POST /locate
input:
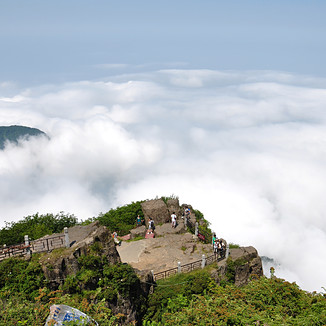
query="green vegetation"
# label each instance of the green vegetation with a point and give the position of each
(203, 226)
(35, 226)
(185, 299)
(14, 133)
(195, 299)
(25, 297)
(20, 276)
(165, 199)
(233, 245)
(122, 219)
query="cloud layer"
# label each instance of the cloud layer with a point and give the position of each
(245, 148)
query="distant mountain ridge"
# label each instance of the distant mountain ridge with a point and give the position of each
(14, 133)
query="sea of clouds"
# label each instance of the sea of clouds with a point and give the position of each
(248, 149)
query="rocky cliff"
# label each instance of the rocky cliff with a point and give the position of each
(242, 265)
(96, 241)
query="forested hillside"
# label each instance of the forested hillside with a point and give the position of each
(14, 133)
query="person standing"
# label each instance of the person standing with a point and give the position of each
(173, 220)
(215, 246)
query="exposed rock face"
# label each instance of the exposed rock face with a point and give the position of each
(139, 231)
(173, 206)
(63, 262)
(157, 210)
(251, 266)
(57, 266)
(126, 307)
(160, 211)
(243, 263)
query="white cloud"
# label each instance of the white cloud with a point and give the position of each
(247, 149)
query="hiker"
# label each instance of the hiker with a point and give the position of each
(214, 238)
(215, 246)
(223, 249)
(138, 221)
(173, 220)
(151, 226)
(187, 212)
(115, 238)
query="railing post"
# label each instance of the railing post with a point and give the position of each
(179, 267)
(196, 229)
(66, 237)
(153, 275)
(227, 251)
(203, 261)
(26, 240)
(28, 249)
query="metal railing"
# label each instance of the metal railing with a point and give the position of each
(187, 267)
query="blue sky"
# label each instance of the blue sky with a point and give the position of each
(56, 41)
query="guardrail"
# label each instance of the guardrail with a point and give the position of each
(188, 267)
(36, 246)
(13, 251)
(48, 244)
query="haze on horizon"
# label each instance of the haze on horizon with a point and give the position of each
(220, 104)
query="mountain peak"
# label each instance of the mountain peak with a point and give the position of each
(15, 132)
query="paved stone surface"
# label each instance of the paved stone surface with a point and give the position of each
(130, 251)
(162, 253)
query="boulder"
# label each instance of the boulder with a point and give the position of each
(140, 231)
(157, 210)
(173, 206)
(246, 266)
(246, 253)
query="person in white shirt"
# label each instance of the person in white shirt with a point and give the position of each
(173, 220)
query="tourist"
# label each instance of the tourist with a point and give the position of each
(173, 220)
(223, 248)
(215, 246)
(187, 212)
(115, 238)
(138, 221)
(213, 238)
(151, 226)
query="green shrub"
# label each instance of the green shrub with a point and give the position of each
(122, 219)
(263, 301)
(233, 245)
(165, 199)
(35, 226)
(20, 276)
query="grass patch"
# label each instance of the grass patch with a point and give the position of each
(233, 245)
(135, 239)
